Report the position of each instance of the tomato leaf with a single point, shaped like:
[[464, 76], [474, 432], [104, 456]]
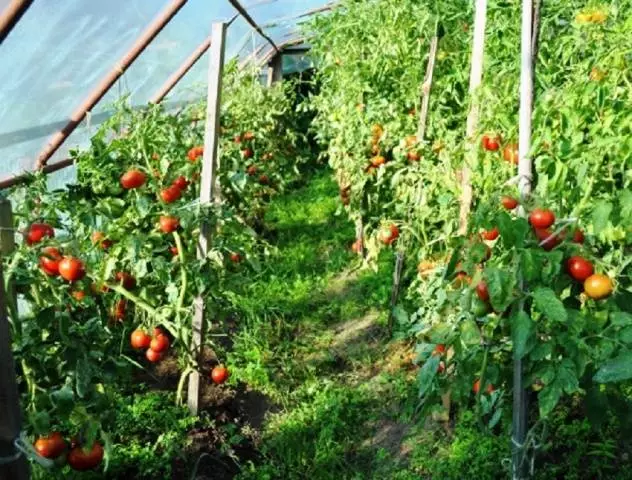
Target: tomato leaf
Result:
[[548, 398], [566, 377], [615, 370], [512, 232], [427, 374], [82, 377], [548, 304], [621, 319], [500, 285], [522, 333], [601, 215], [625, 335], [470, 334]]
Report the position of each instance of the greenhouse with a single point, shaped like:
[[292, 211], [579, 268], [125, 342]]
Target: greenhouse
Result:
[[315, 239]]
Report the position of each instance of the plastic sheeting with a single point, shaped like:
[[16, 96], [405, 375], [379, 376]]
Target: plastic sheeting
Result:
[[59, 51]]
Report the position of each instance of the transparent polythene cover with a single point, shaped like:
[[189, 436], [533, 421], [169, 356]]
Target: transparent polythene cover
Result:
[[60, 50]]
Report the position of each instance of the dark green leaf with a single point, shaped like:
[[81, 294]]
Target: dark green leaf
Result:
[[548, 304], [601, 215], [427, 374], [82, 377], [500, 285], [548, 398], [621, 319], [522, 333], [615, 370]]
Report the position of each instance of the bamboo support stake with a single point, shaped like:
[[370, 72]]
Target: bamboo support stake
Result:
[[476, 76], [10, 413], [209, 192]]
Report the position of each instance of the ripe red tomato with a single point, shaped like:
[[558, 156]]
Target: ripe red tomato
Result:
[[169, 224], [510, 153], [578, 236], [491, 143], [541, 218], [237, 139], [50, 446], [219, 374], [545, 235], [249, 136], [71, 269], [153, 356], [477, 386], [37, 232], [235, 257], [170, 194], [378, 161], [389, 234], [357, 246], [264, 180], [49, 261], [413, 156], [509, 202], [173, 250], [252, 170], [490, 234], [195, 153], [80, 459], [598, 286], [126, 280], [482, 291], [98, 238], [133, 179], [139, 339], [181, 182], [579, 268], [159, 343], [439, 349], [247, 153]]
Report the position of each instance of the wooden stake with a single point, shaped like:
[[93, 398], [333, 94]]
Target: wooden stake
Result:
[[10, 414], [476, 76], [209, 192], [427, 86]]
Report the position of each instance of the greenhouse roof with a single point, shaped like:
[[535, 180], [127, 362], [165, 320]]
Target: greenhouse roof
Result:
[[58, 52]]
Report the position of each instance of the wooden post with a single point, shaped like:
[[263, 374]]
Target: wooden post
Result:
[[359, 228], [476, 76], [209, 192], [427, 86], [10, 414], [520, 469], [275, 69]]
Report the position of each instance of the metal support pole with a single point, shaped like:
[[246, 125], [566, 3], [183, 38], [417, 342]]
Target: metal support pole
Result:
[[115, 73], [476, 76], [173, 80], [10, 414], [209, 192], [11, 15], [520, 469]]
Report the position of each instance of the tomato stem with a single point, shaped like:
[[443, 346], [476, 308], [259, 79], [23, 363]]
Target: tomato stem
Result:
[[481, 387], [137, 300]]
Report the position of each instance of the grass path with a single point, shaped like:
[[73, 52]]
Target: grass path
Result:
[[313, 340]]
